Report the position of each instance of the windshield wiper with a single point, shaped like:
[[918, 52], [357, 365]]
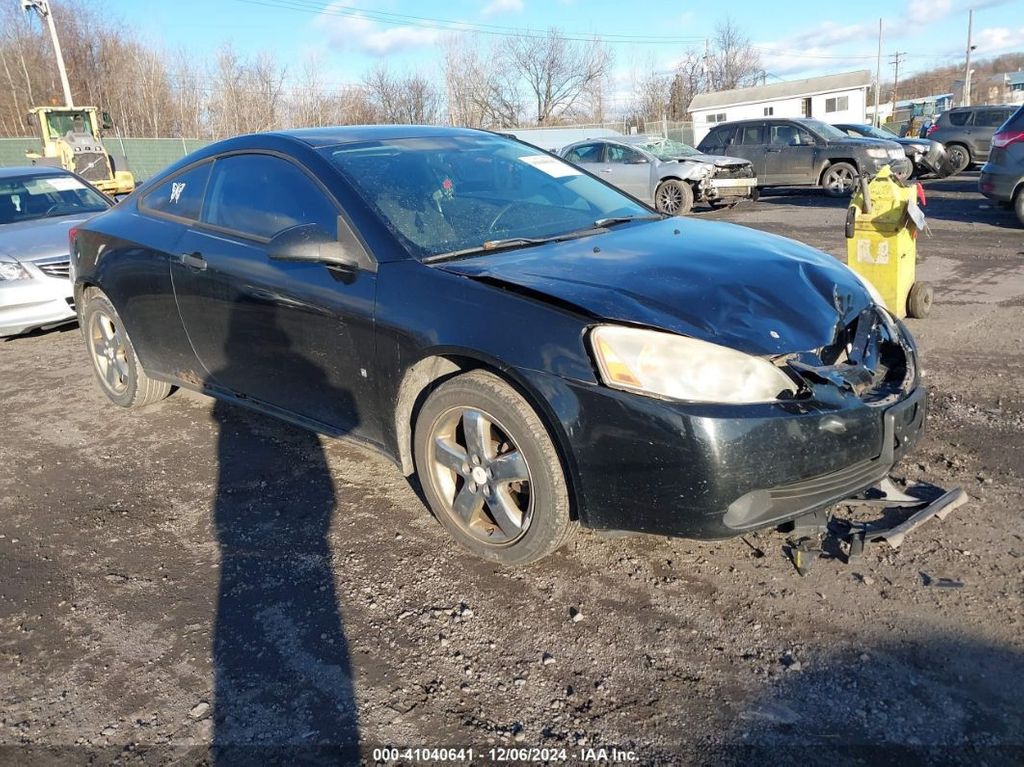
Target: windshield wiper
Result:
[[613, 220], [509, 244]]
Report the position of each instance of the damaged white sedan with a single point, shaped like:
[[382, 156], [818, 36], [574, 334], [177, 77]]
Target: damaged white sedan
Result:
[[668, 174]]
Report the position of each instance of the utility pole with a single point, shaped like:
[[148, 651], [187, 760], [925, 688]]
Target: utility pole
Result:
[[42, 7], [966, 100], [895, 60], [878, 75]]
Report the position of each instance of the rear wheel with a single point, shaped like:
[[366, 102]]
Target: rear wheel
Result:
[[919, 301], [1018, 205], [959, 158], [673, 197], [839, 179], [490, 472], [117, 368]]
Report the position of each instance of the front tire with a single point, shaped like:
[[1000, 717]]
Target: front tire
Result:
[[839, 179], [490, 471], [1018, 205], [959, 158], [117, 368], [674, 198]]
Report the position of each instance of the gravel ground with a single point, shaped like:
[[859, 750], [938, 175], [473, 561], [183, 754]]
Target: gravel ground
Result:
[[194, 582]]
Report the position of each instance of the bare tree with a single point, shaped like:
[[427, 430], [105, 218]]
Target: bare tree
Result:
[[559, 73], [481, 93], [405, 99], [732, 61], [651, 92]]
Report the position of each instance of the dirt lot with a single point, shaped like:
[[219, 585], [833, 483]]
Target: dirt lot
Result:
[[194, 582]]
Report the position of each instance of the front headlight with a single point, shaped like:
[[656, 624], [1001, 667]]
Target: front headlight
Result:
[[11, 270], [897, 153], [666, 365], [878, 153]]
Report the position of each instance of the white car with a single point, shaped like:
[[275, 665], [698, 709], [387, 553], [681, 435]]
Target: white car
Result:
[[38, 207]]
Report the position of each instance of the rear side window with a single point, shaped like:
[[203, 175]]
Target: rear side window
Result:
[[751, 134], [991, 118], [960, 118], [717, 140], [181, 195], [260, 195]]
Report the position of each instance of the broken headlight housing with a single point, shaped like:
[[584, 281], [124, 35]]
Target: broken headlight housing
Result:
[[676, 367], [11, 270]]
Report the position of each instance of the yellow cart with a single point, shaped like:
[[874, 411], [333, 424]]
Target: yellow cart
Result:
[[881, 229]]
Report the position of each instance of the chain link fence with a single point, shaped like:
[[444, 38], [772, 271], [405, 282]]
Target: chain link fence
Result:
[[144, 157]]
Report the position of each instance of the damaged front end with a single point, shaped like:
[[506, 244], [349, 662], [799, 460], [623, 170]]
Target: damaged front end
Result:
[[717, 180], [868, 371]]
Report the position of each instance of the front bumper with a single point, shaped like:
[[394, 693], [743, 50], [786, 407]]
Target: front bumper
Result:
[[38, 302], [714, 471]]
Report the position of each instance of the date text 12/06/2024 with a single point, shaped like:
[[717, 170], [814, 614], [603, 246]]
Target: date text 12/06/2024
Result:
[[505, 754]]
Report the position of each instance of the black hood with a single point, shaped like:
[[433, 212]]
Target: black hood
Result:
[[718, 282]]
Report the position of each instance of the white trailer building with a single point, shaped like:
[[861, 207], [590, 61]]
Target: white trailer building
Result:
[[838, 98]]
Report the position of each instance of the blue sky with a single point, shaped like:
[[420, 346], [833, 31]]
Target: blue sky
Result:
[[795, 38]]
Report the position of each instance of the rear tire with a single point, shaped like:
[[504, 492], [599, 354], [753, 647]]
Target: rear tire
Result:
[[490, 471], [959, 158], [117, 368], [1018, 205], [919, 300], [674, 198]]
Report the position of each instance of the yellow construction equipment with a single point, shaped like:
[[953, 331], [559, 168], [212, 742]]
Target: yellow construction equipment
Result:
[[881, 229], [71, 140]]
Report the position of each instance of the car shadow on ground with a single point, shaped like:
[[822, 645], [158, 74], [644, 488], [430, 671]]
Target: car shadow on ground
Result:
[[929, 699], [283, 680]]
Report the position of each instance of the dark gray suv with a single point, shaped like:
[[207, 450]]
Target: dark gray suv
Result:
[[1002, 178], [966, 132], [801, 151]]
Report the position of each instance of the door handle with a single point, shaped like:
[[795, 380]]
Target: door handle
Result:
[[193, 261], [772, 150]]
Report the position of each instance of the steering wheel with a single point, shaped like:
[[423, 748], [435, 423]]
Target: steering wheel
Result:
[[55, 206]]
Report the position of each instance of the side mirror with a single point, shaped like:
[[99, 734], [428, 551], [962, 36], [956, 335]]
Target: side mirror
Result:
[[31, 120], [311, 244], [105, 122]]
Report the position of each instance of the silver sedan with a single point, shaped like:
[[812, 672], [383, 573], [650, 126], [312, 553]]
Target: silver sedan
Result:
[[670, 175], [38, 207]]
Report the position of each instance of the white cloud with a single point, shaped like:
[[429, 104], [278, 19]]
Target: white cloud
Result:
[[999, 39], [356, 32], [830, 33], [502, 6]]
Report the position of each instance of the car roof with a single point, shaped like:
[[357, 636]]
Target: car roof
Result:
[[32, 170], [323, 137]]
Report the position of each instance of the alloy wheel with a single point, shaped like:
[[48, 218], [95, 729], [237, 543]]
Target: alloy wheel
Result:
[[840, 180], [109, 352], [481, 476], [959, 159], [669, 199]]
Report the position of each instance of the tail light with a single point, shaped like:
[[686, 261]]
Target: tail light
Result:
[[1004, 139], [931, 129], [72, 233]]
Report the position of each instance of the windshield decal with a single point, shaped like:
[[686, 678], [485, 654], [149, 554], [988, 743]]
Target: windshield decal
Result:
[[63, 183], [551, 165]]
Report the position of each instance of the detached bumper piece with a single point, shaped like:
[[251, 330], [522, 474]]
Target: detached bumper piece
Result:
[[807, 534]]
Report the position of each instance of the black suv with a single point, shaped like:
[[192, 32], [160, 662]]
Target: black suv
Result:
[[1002, 178], [801, 151], [966, 132]]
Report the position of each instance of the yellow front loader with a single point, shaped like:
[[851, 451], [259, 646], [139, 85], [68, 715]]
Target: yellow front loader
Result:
[[71, 140]]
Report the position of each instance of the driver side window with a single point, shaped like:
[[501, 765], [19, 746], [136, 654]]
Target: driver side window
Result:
[[585, 153], [624, 155]]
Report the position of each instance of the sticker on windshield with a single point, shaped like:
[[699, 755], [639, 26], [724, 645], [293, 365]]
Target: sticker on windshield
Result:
[[551, 165], [63, 183], [176, 189]]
